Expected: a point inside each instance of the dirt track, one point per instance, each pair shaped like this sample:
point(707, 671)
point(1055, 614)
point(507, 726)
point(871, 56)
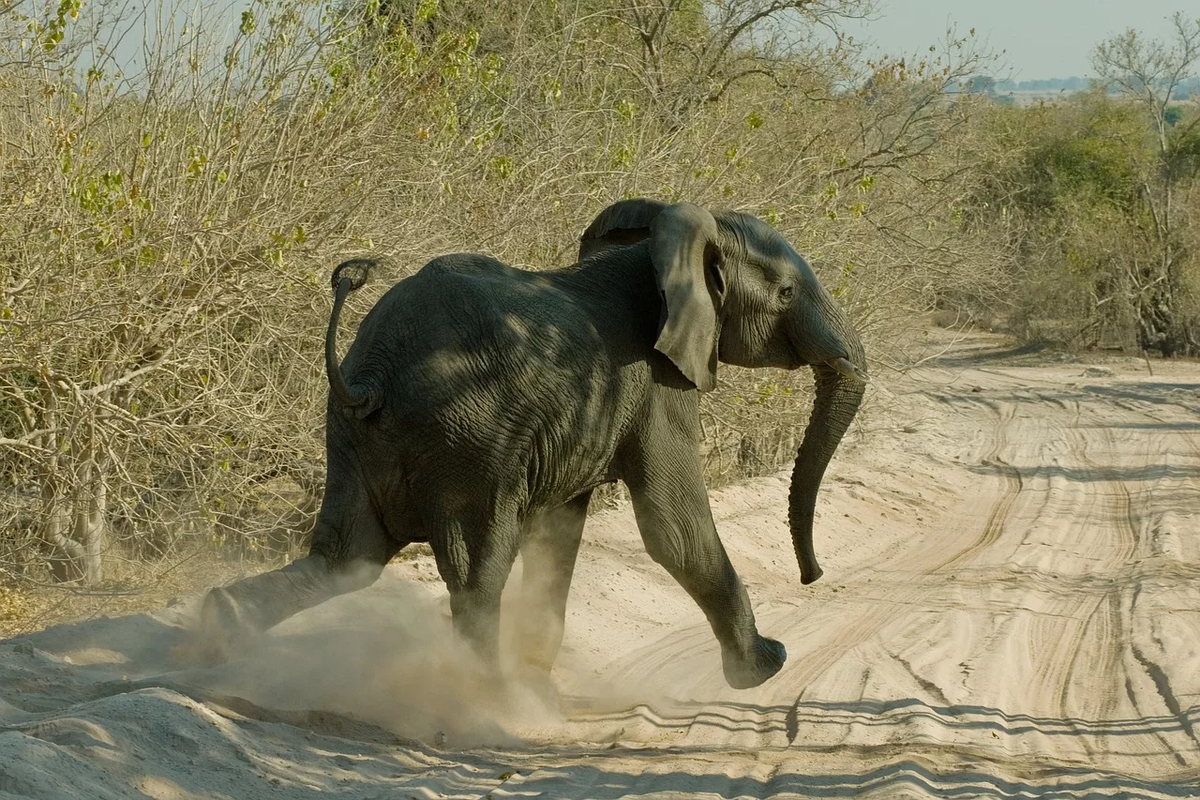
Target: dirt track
point(1010, 608)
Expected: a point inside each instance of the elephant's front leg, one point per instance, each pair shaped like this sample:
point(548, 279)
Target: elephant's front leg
point(666, 484)
point(548, 561)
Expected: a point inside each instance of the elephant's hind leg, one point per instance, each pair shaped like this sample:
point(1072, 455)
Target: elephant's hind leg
point(548, 562)
point(345, 556)
point(475, 552)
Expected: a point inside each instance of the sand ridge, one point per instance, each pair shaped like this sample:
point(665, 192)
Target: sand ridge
point(1010, 608)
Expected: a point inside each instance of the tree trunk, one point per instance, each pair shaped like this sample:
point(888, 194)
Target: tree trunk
point(90, 505)
point(65, 554)
point(75, 524)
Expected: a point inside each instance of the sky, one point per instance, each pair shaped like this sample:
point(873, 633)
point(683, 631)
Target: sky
point(1042, 38)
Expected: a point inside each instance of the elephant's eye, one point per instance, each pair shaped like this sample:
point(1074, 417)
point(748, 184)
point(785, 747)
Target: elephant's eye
point(786, 292)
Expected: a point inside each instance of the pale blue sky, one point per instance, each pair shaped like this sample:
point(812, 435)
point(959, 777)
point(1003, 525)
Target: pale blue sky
point(1043, 38)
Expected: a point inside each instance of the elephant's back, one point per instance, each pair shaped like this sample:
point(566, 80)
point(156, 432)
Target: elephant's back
point(473, 308)
point(497, 371)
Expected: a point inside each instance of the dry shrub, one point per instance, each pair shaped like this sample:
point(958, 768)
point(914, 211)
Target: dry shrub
point(167, 233)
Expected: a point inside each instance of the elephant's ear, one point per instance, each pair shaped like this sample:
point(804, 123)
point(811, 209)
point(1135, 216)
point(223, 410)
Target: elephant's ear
point(686, 255)
point(622, 223)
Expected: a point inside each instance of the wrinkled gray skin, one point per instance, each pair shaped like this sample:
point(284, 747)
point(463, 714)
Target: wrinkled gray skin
point(480, 405)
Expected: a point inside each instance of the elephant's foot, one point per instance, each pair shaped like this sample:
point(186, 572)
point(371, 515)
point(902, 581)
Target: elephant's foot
point(222, 630)
point(765, 659)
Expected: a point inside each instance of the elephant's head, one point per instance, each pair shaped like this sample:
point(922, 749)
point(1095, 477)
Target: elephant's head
point(735, 290)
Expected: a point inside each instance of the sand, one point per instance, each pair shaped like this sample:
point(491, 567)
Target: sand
point(1010, 608)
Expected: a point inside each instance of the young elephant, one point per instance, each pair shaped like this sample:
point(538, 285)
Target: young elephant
point(480, 405)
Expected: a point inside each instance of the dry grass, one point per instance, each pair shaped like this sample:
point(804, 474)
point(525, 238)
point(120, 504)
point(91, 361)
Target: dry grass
point(129, 588)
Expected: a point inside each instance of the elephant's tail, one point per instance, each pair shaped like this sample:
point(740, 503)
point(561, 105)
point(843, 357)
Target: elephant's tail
point(355, 400)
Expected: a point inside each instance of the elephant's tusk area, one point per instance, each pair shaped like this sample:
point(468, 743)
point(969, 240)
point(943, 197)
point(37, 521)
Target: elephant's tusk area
point(844, 368)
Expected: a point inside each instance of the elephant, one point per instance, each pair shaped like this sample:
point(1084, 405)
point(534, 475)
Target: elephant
point(480, 405)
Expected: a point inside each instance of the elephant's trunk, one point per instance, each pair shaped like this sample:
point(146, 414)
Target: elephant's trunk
point(840, 386)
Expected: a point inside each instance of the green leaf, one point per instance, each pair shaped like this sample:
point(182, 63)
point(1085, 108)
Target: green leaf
point(426, 10)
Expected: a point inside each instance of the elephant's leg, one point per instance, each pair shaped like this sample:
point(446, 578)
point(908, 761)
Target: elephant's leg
point(349, 551)
point(670, 502)
point(548, 561)
point(475, 553)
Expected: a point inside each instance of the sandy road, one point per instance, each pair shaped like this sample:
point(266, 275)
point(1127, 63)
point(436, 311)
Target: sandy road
point(1010, 608)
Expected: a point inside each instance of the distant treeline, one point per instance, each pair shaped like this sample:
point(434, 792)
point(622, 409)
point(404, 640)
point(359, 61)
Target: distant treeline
point(1072, 84)
point(1185, 90)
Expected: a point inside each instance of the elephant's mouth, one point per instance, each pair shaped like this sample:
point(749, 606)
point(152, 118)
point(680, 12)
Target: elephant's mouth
point(843, 366)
